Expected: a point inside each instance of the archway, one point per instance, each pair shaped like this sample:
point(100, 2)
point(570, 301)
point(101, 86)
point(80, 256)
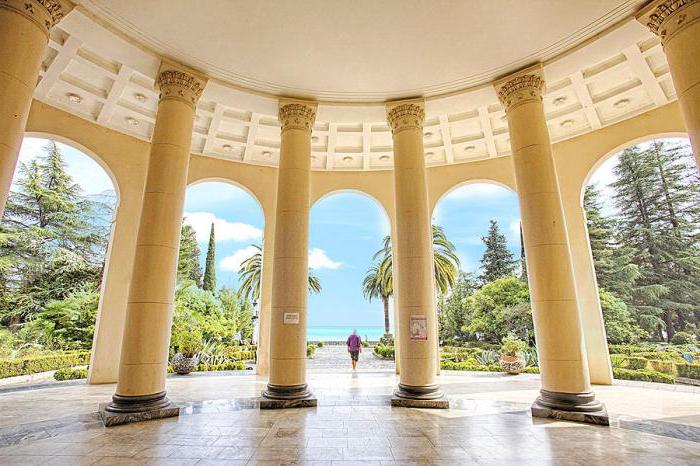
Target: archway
point(489, 300)
point(346, 230)
point(57, 242)
point(641, 203)
point(219, 279)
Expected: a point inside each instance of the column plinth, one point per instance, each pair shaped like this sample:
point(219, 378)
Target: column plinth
point(24, 33)
point(566, 389)
point(140, 390)
point(413, 262)
point(677, 24)
point(287, 386)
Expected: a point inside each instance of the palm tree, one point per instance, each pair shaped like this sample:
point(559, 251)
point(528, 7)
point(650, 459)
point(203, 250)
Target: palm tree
point(250, 274)
point(445, 260)
point(378, 284)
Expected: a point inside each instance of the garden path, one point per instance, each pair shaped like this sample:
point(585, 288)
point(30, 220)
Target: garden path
point(335, 358)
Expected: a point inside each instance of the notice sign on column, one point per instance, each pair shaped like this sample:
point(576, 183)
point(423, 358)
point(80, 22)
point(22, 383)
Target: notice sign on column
point(291, 318)
point(418, 328)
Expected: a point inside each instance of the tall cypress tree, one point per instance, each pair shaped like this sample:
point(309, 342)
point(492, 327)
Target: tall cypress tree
point(209, 281)
point(188, 267)
point(497, 260)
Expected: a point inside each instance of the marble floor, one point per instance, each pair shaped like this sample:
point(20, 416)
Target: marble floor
point(488, 423)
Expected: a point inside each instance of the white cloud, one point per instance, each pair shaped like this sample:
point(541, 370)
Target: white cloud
point(478, 191)
point(233, 262)
point(514, 228)
point(318, 259)
point(225, 230)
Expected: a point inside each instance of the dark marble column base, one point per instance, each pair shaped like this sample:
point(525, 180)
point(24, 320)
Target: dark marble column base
point(287, 396)
point(429, 396)
point(578, 407)
point(110, 418)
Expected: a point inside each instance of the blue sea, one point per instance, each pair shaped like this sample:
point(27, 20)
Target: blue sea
point(341, 333)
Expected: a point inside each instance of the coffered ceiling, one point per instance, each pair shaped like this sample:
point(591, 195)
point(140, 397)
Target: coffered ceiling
point(103, 58)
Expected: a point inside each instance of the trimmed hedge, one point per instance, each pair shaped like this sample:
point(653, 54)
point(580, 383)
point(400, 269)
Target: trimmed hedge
point(384, 352)
point(666, 367)
point(643, 376)
point(688, 371)
point(227, 366)
point(33, 365)
point(69, 373)
point(468, 366)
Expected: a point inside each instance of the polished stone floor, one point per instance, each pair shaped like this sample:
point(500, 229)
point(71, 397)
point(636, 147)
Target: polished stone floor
point(488, 423)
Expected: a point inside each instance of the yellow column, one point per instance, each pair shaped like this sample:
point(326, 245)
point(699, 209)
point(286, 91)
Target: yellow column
point(413, 253)
point(144, 356)
point(263, 365)
point(24, 33)
point(566, 389)
point(677, 24)
point(287, 385)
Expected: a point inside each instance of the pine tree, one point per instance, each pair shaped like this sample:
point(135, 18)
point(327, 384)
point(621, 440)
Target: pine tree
point(497, 260)
point(188, 267)
point(523, 260)
point(209, 281)
point(50, 244)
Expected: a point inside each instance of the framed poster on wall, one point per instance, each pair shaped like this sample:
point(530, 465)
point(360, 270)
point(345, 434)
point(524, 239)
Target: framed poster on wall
point(418, 328)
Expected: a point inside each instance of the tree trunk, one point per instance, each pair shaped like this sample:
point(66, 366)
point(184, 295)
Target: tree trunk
point(386, 315)
point(670, 331)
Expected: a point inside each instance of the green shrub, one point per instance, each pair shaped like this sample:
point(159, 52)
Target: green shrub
point(643, 376)
point(70, 373)
point(682, 338)
point(227, 366)
point(365, 344)
point(471, 365)
point(635, 363)
point(33, 365)
point(628, 349)
point(187, 339)
point(512, 346)
point(320, 344)
point(688, 371)
point(666, 367)
point(532, 370)
point(386, 352)
point(310, 350)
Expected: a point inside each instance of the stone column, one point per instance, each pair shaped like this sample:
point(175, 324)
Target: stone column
point(144, 358)
point(414, 256)
point(263, 365)
point(24, 34)
point(566, 388)
point(287, 384)
point(677, 24)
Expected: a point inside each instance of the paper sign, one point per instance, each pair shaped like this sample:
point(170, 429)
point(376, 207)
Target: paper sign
point(418, 328)
point(291, 318)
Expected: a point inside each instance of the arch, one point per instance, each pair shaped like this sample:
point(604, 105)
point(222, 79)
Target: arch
point(619, 148)
point(462, 184)
point(236, 184)
point(85, 150)
point(333, 192)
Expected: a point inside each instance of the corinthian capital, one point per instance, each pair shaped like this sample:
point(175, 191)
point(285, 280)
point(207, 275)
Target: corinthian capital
point(297, 115)
point(44, 13)
point(523, 86)
point(666, 17)
point(179, 83)
point(405, 115)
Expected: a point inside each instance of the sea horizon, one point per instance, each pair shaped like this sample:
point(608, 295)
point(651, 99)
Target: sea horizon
point(341, 332)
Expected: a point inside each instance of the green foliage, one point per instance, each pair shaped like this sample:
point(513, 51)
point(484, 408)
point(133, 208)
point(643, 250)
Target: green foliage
point(310, 350)
point(384, 352)
point(619, 324)
point(188, 267)
point(33, 365)
point(643, 375)
point(682, 338)
point(666, 367)
point(470, 365)
point(226, 366)
point(187, 339)
point(512, 346)
point(454, 314)
point(209, 280)
point(70, 373)
point(320, 344)
point(497, 261)
point(487, 358)
point(501, 308)
point(689, 371)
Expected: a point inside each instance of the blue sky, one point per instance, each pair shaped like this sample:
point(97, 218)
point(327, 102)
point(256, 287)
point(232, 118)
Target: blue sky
point(345, 231)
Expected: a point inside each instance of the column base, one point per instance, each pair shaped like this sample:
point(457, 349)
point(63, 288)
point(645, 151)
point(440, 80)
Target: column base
point(410, 396)
point(287, 396)
point(128, 409)
point(577, 407)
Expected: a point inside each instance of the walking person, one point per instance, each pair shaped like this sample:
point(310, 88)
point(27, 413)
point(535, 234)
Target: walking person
point(354, 348)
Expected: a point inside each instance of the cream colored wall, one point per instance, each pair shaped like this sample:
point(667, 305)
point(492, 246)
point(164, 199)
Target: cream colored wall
point(126, 158)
